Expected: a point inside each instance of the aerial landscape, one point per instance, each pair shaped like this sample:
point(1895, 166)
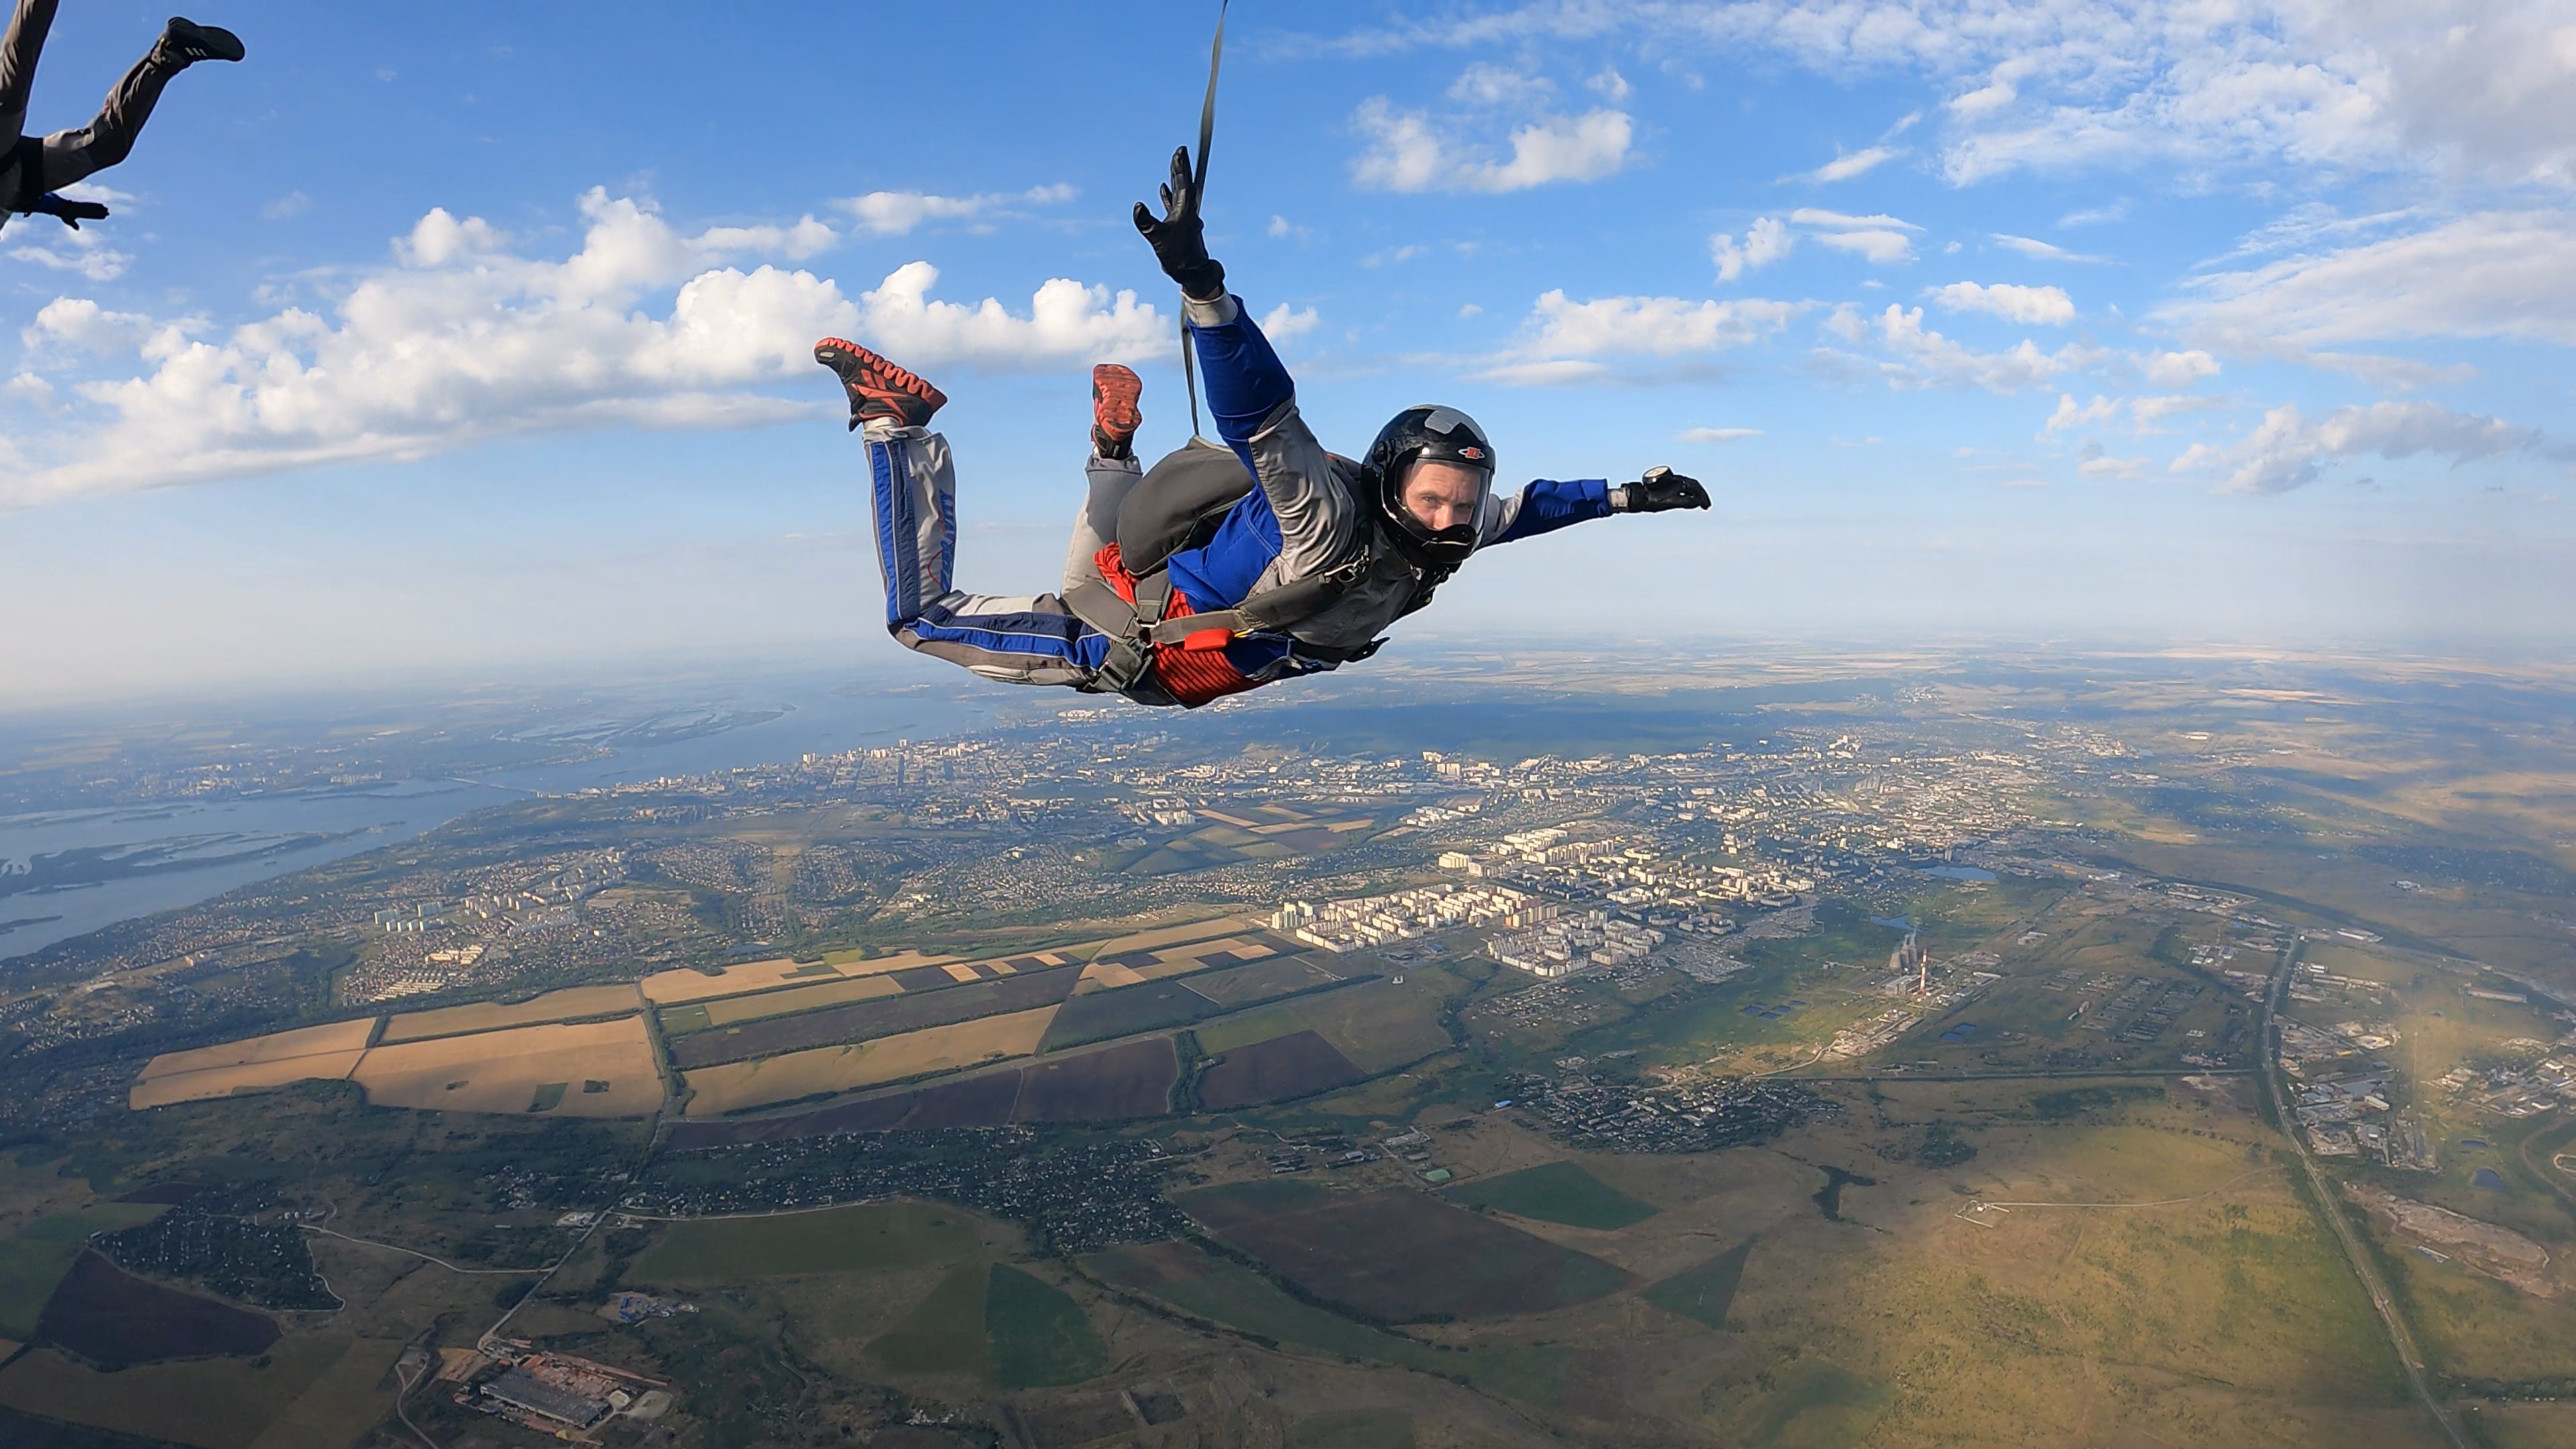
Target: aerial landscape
point(1720, 724)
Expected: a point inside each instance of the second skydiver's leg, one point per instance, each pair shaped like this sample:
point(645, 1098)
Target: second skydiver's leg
point(19, 49)
point(1111, 474)
point(71, 156)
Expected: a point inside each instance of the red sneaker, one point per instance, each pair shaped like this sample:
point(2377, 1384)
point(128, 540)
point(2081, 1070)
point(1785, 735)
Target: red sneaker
point(878, 388)
point(1114, 414)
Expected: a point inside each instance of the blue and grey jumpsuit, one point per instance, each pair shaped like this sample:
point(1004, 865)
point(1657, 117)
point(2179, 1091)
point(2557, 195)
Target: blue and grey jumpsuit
point(1303, 520)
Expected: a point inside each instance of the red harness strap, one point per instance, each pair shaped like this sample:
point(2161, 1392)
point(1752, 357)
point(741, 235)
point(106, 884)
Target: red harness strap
point(1197, 669)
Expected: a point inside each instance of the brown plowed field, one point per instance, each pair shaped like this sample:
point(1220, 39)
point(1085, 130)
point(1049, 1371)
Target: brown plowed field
point(976, 1102)
point(1399, 1255)
point(502, 1071)
point(670, 987)
point(116, 1320)
point(891, 1016)
point(1273, 1071)
point(737, 1085)
point(1132, 1080)
point(563, 1005)
point(323, 1053)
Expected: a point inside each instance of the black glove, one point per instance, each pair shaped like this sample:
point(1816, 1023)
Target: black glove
point(69, 213)
point(1659, 490)
point(1179, 241)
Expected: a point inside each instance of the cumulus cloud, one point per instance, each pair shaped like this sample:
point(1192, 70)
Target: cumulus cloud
point(1914, 356)
point(1284, 321)
point(1880, 239)
point(2288, 451)
point(897, 213)
point(2068, 415)
point(1568, 341)
point(77, 251)
point(2038, 306)
point(465, 338)
point(1409, 151)
point(80, 323)
point(1765, 242)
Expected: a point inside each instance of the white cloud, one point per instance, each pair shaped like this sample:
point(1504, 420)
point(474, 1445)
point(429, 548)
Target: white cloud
point(2146, 412)
point(83, 324)
point(2038, 250)
point(1610, 85)
point(1567, 341)
point(2288, 451)
point(1917, 357)
point(30, 389)
point(1881, 239)
point(1285, 321)
point(1407, 151)
point(2176, 369)
point(1716, 435)
point(2493, 274)
point(80, 251)
point(2095, 461)
point(1847, 165)
point(2037, 306)
point(292, 204)
point(464, 339)
point(1495, 85)
point(897, 213)
point(1765, 242)
point(2068, 415)
point(2097, 215)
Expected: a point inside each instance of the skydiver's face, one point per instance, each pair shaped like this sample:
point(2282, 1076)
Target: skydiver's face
point(1442, 495)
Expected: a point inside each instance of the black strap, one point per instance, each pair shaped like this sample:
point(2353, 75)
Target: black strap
point(1198, 191)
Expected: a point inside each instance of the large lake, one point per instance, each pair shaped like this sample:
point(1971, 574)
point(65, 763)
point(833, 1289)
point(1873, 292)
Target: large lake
point(244, 841)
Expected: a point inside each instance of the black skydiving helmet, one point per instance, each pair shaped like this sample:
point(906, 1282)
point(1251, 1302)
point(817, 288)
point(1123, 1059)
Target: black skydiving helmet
point(1443, 435)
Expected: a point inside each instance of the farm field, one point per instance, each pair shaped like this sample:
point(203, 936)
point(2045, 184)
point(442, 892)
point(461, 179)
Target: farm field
point(1242, 986)
point(1115, 967)
point(670, 988)
point(35, 1260)
point(1039, 1336)
point(214, 1403)
point(944, 1333)
point(1132, 1079)
point(909, 1011)
point(1277, 1069)
point(116, 1320)
point(1100, 1015)
point(565, 1005)
point(312, 1053)
point(591, 1069)
point(1555, 1192)
point(734, 1010)
point(734, 1086)
point(1394, 1254)
point(830, 1240)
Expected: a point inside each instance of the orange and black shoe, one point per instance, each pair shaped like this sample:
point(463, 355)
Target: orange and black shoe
point(878, 388)
point(1114, 414)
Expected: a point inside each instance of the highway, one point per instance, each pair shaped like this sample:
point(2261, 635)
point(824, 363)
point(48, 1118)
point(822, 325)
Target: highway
point(2331, 1205)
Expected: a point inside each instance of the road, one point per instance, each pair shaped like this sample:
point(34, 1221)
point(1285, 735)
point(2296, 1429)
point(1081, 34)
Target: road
point(2331, 1205)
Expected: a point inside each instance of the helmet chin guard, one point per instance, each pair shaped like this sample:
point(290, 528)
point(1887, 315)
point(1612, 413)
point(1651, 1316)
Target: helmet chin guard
point(1441, 435)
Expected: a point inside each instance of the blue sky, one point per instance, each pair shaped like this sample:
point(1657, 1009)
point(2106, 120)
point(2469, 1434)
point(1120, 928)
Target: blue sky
point(474, 341)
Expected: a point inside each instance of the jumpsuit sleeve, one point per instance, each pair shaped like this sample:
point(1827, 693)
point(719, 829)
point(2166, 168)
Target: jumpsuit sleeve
point(1255, 406)
point(1543, 507)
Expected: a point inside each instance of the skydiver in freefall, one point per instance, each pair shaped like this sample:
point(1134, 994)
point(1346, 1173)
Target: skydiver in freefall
point(32, 168)
point(1200, 578)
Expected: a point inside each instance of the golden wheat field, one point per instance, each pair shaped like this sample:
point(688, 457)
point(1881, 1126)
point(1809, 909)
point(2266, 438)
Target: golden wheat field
point(310, 1053)
point(592, 1069)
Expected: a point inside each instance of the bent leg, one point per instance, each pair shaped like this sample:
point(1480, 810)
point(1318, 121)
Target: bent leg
point(1096, 526)
point(19, 49)
point(76, 155)
point(1027, 639)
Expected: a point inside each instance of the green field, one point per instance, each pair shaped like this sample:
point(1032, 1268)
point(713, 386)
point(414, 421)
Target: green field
point(1354, 1429)
point(1817, 1406)
point(834, 1240)
point(1242, 1299)
point(1243, 1031)
point(37, 1258)
point(1039, 1335)
point(1555, 1192)
point(1705, 1292)
point(945, 1333)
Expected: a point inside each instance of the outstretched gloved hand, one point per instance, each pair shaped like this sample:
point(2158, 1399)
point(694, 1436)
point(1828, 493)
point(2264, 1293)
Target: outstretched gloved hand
point(1178, 238)
point(1659, 490)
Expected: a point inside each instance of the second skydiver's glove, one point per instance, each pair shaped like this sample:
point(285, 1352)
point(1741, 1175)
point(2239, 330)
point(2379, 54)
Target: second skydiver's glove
point(1659, 490)
point(1178, 238)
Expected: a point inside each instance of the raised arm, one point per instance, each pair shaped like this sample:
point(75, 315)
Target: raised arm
point(1249, 391)
point(1547, 505)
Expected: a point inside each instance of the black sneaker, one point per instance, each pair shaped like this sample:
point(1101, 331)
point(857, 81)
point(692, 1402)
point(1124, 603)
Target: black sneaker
point(188, 42)
point(878, 388)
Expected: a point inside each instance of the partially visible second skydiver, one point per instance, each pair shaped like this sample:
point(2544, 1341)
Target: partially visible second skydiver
point(35, 169)
point(1221, 569)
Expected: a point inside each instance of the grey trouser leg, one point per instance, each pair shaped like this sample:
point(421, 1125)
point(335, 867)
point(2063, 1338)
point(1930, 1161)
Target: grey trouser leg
point(75, 155)
point(1017, 639)
point(1095, 527)
point(19, 48)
